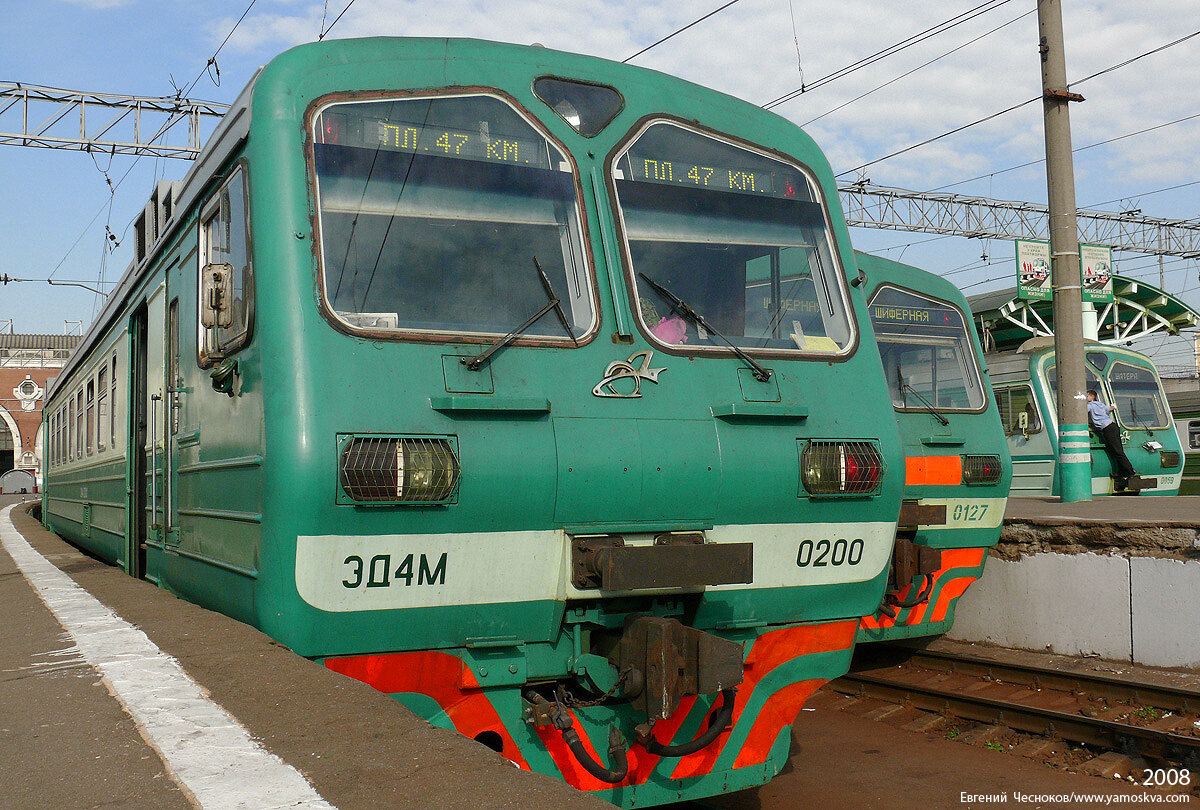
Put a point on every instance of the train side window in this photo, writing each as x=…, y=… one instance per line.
x=1012, y=402
x=224, y=239
x=90, y=420
x=1194, y=434
x=112, y=414
x=101, y=406
x=79, y=422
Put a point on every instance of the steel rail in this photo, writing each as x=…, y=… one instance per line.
x=1107, y=734
x=1163, y=696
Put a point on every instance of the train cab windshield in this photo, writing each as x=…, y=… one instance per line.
x=1137, y=396
x=927, y=354
x=739, y=236
x=435, y=214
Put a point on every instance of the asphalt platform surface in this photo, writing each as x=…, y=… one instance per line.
x=1122, y=510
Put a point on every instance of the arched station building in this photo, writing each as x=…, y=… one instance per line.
x=28, y=363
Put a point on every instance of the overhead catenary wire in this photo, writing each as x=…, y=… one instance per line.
x=1007, y=110
x=673, y=33
x=325, y=31
x=919, y=67
x=891, y=50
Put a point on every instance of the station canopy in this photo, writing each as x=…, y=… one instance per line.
x=1005, y=322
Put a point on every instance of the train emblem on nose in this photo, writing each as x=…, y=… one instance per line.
x=625, y=370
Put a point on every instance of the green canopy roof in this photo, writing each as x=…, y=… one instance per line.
x=1005, y=322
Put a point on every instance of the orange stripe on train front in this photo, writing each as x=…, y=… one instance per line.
x=932, y=471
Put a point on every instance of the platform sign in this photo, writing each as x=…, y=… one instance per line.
x=1033, y=270
x=1095, y=267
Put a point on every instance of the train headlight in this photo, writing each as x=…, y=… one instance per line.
x=408, y=469
x=840, y=468
x=1168, y=459
x=981, y=470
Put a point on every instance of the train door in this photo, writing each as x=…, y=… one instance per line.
x=137, y=534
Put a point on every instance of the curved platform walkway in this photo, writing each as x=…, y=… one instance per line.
x=116, y=694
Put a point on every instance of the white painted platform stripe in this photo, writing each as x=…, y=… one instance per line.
x=210, y=755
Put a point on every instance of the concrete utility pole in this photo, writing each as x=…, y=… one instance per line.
x=1074, y=445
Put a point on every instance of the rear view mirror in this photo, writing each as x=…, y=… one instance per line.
x=216, y=296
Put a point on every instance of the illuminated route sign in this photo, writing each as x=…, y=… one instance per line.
x=741, y=180
x=913, y=316
x=400, y=136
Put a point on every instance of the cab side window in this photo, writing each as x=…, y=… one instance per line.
x=1012, y=402
x=224, y=240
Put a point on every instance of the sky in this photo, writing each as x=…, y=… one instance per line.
x=58, y=203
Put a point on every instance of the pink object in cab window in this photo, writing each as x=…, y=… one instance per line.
x=670, y=330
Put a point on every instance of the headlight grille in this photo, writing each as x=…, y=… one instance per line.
x=398, y=469
x=981, y=470
x=841, y=468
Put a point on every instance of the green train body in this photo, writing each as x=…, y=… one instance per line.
x=501, y=542
x=1185, y=410
x=957, y=466
x=1024, y=381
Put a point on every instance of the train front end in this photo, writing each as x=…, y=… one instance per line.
x=957, y=465
x=581, y=446
x=1128, y=381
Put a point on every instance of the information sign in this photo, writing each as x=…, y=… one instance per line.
x=1095, y=267
x=1033, y=270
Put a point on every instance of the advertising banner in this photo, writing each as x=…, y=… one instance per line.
x=1095, y=267
x=1033, y=270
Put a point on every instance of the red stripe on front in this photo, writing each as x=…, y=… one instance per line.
x=437, y=675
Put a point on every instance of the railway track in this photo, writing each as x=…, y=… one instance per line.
x=1153, y=721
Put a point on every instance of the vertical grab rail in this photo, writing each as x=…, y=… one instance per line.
x=154, y=400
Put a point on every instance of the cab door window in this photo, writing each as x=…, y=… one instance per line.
x=224, y=239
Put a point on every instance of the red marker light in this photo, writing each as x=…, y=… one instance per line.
x=789, y=188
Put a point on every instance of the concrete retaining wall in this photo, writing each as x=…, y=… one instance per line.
x=1140, y=609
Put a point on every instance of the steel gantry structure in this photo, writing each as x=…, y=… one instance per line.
x=869, y=206
x=49, y=117
x=33, y=115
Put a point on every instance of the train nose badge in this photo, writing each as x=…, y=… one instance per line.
x=625, y=370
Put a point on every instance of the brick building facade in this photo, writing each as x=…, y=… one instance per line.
x=27, y=364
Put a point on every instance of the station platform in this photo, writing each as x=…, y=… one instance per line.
x=264, y=729
x=1116, y=577
x=1135, y=512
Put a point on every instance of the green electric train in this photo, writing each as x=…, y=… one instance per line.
x=1185, y=410
x=527, y=387
x=957, y=466
x=1026, y=387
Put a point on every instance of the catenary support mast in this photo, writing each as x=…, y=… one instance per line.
x=1074, y=454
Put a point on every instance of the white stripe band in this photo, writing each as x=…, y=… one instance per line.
x=210, y=755
x=1075, y=458
x=1074, y=445
x=1068, y=433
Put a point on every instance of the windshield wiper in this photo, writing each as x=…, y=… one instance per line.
x=761, y=374
x=480, y=360
x=924, y=402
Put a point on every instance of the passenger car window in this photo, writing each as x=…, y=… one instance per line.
x=435, y=214
x=738, y=235
x=224, y=239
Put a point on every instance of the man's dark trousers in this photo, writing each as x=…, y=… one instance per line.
x=1111, y=436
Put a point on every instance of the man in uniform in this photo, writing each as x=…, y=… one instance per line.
x=1099, y=415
